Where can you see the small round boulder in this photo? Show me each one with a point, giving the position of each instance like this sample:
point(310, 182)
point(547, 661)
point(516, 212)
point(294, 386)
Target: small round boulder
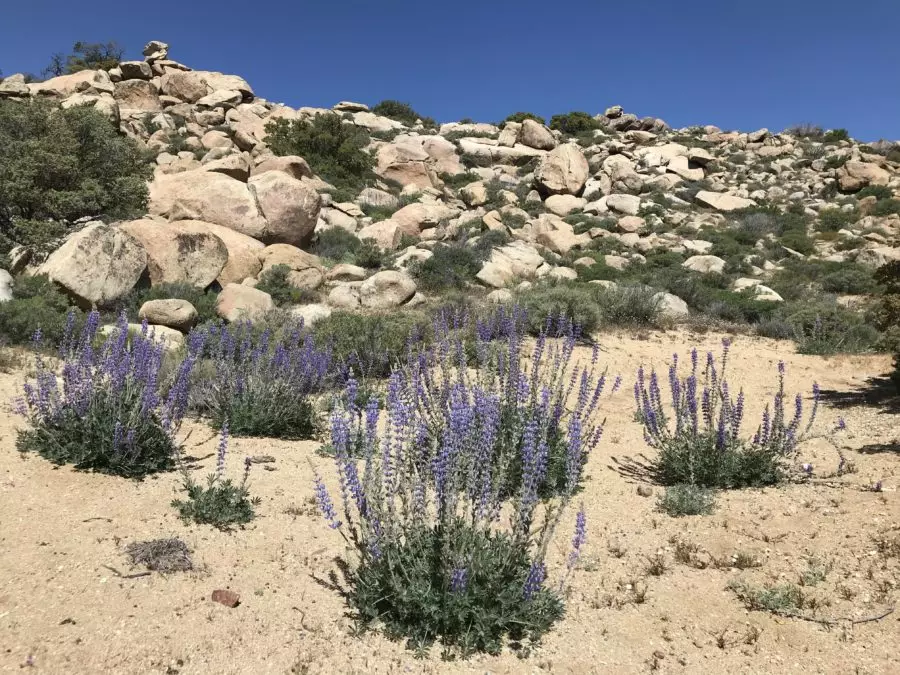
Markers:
point(174, 313)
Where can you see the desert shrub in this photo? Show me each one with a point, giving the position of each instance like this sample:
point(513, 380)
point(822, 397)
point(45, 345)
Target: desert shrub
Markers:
point(369, 344)
point(104, 411)
point(570, 301)
point(402, 112)
point(834, 219)
point(85, 56)
point(336, 243)
point(806, 130)
point(262, 385)
point(60, 165)
point(885, 207)
point(370, 255)
point(275, 281)
point(574, 123)
point(632, 306)
point(797, 241)
point(698, 438)
point(522, 116)
point(687, 500)
point(487, 242)
point(877, 191)
point(434, 563)
point(836, 135)
point(800, 279)
point(37, 304)
point(828, 328)
point(161, 555)
point(453, 266)
point(203, 301)
point(222, 503)
point(333, 149)
point(455, 182)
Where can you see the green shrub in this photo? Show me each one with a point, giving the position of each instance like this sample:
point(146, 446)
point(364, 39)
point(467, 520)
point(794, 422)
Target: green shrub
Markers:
point(574, 123)
point(203, 301)
point(402, 112)
point(275, 282)
point(831, 329)
point(86, 56)
point(452, 266)
point(37, 304)
point(835, 135)
point(369, 344)
point(370, 255)
point(62, 165)
point(630, 306)
point(222, 503)
point(687, 500)
point(877, 191)
point(575, 302)
point(333, 149)
point(406, 590)
point(336, 243)
point(522, 116)
point(885, 207)
point(834, 219)
point(797, 241)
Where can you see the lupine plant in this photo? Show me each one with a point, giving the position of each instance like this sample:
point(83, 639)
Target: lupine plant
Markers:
point(440, 557)
point(547, 396)
point(262, 385)
point(460, 488)
point(104, 410)
point(222, 503)
point(698, 437)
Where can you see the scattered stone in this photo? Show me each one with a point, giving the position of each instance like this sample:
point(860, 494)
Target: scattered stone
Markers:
point(173, 313)
point(226, 597)
point(386, 289)
point(237, 301)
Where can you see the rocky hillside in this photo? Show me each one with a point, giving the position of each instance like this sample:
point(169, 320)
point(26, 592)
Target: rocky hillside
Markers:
point(608, 199)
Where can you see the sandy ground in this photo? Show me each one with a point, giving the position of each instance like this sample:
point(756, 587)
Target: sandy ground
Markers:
point(63, 610)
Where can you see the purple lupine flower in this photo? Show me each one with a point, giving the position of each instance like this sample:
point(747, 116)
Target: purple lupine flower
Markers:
point(222, 449)
point(459, 580)
point(841, 424)
point(326, 506)
point(578, 539)
point(537, 573)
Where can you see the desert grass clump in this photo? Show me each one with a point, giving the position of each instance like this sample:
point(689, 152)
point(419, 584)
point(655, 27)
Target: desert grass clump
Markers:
point(698, 437)
point(221, 503)
point(687, 500)
point(104, 410)
point(161, 555)
point(263, 385)
point(438, 557)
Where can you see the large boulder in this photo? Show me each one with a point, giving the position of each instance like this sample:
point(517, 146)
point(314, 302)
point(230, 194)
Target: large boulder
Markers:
point(137, 95)
point(385, 233)
point(705, 264)
point(293, 166)
point(208, 196)
point(671, 307)
point(386, 289)
point(509, 263)
point(172, 313)
point(306, 269)
point(413, 218)
point(238, 302)
point(536, 135)
point(563, 170)
point(97, 265)
point(723, 202)
point(289, 206)
point(405, 163)
point(854, 176)
point(179, 253)
point(6, 282)
point(84, 82)
point(188, 86)
point(243, 252)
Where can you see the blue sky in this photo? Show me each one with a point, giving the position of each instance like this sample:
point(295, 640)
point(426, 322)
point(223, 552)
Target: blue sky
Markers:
point(736, 64)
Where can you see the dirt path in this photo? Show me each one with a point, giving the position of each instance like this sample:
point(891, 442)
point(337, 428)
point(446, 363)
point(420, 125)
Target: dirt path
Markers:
point(62, 610)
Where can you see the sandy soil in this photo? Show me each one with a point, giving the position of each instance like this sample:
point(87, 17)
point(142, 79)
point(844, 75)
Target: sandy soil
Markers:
point(63, 610)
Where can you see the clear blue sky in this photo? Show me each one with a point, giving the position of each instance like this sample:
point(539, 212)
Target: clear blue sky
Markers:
point(733, 63)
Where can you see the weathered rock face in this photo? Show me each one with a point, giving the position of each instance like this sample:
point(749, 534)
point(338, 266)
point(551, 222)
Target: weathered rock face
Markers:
point(179, 253)
point(289, 207)
point(563, 170)
point(237, 302)
point(243, 252)
point(536, 135)
point(138, 95)
point(405, 163)
point(508, 263)
point(210, 197)
point(83, 82)
point(704, 264)
point(306, 269)
point(386, 289)
point(854, 176)
point(97, 265)
point(671, 306)
point(723, 202)
point(178, 314)
point(6, 282)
